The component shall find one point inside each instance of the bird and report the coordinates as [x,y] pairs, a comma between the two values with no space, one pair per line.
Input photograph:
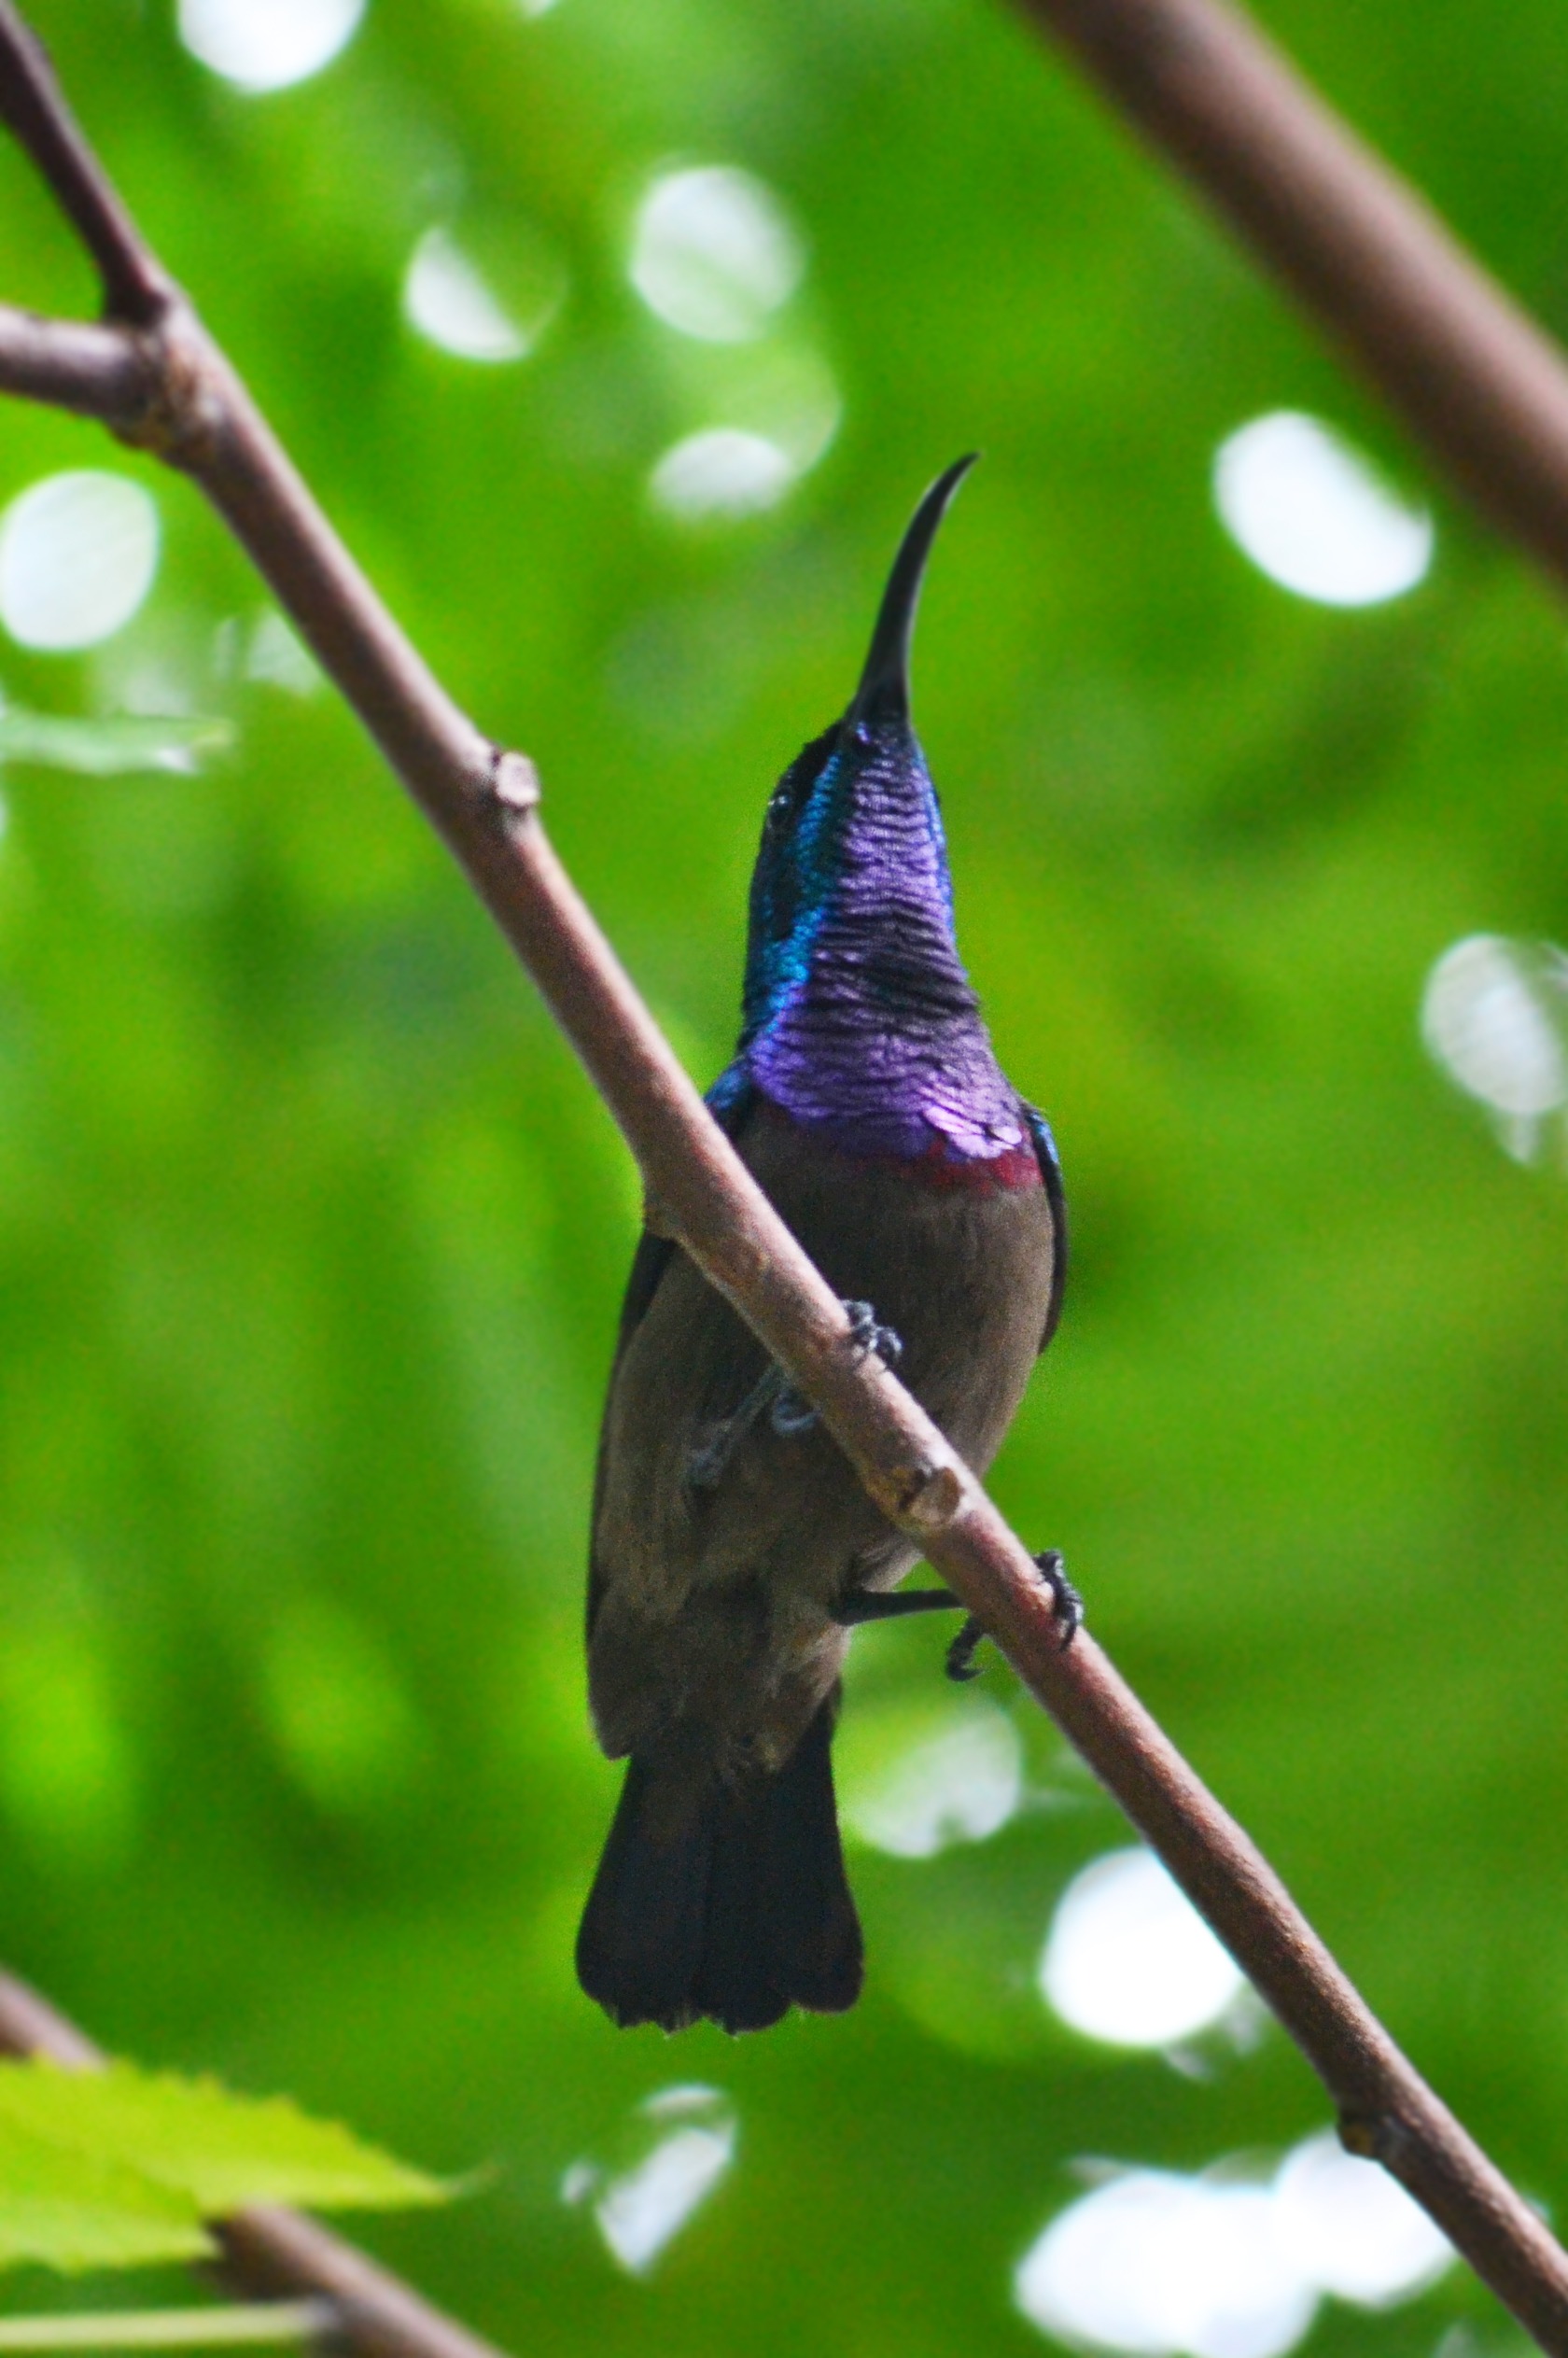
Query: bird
[733,1549]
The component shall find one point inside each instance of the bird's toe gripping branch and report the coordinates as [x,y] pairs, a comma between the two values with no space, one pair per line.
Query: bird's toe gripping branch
[776,1397]
[861,1606]
[792,1414]
[1066,1609]
[1065,1603]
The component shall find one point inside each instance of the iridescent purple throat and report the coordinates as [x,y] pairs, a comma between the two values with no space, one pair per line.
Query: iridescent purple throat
[869,1032]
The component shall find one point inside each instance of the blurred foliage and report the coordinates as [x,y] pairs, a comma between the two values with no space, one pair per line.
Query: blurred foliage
[311,1234]
[118,2168]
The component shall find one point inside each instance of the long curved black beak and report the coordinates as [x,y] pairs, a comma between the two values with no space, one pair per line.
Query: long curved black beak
[884,689]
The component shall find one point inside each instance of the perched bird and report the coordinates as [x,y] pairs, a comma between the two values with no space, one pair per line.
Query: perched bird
[733,1546]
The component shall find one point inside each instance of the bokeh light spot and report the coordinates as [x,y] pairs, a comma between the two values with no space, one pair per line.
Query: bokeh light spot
[77,555]
[278,655]
[722,475]
[960,1779]
[1490,1017]
[446,297]
[1311,514]
[1166,2267]
[1353,2230]
[640,2209]
[265,45]
[1129,1960]
[714,254]
[1155,2264]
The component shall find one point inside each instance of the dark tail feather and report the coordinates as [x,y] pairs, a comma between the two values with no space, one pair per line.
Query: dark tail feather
[640,1941]
[729,1903]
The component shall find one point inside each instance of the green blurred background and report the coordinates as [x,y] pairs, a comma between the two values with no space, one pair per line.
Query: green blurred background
[312,1235]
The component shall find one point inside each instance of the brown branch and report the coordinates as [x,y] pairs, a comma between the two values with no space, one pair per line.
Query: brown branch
[136,286]
[98,372]
[1474,377]
[484,803]
[269,2251]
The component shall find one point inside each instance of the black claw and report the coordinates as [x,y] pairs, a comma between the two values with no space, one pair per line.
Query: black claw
[961,1664]
[868,1334]
[1067,1607]
[790,1415]
[1066,1604]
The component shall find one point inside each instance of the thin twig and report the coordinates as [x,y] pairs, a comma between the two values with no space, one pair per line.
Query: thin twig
[269,2251]
[484,803]
[1474,377]
[97,371]
[252,2325]
[136,287]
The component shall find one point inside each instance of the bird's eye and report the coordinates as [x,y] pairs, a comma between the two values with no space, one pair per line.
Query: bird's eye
[783,804]
[794,791]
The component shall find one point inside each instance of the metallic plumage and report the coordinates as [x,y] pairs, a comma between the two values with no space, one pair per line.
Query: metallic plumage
[866,1097]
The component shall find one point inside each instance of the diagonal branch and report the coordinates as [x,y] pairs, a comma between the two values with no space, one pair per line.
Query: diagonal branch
[1476,379]
[136,286]
[484,803]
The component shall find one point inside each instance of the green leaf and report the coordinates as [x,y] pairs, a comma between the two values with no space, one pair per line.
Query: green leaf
[112,748]
[193,2139]
[71,2209]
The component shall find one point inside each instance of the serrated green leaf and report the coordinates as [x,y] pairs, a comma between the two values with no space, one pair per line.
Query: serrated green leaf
[74,2209]
[196,2140]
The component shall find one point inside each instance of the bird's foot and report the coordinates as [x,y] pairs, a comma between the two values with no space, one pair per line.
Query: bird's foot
[773,1396]
[792,1416]
[875,1604]
[868,1334]
[1067,1606]
[708,1465]
[859,1606]
[1066,1612]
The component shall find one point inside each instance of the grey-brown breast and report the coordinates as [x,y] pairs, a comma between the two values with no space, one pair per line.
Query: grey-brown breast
[712,1606]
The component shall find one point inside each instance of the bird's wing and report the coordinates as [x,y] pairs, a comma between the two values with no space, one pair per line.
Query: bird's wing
[1051,1173]
[729,1101]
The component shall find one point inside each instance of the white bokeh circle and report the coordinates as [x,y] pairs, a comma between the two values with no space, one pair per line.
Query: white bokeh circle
[1484,1018]
[722,475]
[1310,513]
[447,298]
[714,254]
[1128,1958]
[1353,2230]
[960,1781]
[1164,2266]
[267,45]
[78,552]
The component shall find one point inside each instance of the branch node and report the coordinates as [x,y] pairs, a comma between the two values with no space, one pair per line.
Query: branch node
[181,420]
[1379,2137]
[515,785]
[927,1497]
